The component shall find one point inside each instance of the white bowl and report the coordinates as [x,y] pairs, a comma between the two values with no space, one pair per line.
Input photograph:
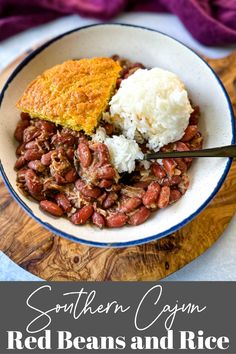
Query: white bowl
[152,48]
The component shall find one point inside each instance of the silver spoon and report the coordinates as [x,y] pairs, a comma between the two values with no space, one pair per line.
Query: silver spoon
[222,151]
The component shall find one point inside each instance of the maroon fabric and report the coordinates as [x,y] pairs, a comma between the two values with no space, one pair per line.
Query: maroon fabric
[211,22]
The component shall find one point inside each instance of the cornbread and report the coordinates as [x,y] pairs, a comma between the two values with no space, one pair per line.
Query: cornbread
[73,94]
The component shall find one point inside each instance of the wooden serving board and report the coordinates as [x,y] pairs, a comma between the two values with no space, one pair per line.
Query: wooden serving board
[54,258]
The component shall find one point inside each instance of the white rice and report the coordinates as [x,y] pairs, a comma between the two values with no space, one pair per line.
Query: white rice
[151,104]
[123,151]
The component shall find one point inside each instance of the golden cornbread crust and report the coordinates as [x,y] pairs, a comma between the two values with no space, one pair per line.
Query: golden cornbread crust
[73,94]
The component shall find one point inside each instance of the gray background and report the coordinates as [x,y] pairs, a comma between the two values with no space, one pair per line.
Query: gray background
[217,320]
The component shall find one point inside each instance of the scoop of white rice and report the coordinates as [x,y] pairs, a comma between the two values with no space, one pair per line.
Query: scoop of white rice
[153,103]
[123,151]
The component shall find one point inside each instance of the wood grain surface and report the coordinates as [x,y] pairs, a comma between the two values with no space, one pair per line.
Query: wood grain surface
[54,258]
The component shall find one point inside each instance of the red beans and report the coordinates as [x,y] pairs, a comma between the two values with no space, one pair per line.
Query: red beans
[19,132]
[84,154]
[164,197]
[20,162]
[33,184]
[71,176]
[109,128]
[106,172]
[30,133]
[158,171]
[110,200]
[89,191]
[169,166]
[46,159]
[51,208]
[174,196]
[63,202]
[36,165]
[189,133]
[103,154]
[63,139]
[64,169]
[117,220]
[98,220]
[105,183]
[150,198]
[46,126]
[32,154]
[82,215]
[25,116]
[130,204]
[140,216]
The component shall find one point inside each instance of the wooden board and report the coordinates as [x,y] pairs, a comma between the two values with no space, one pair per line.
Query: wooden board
[53,258]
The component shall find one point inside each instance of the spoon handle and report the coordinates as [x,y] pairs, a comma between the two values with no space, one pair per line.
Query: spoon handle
[223,151]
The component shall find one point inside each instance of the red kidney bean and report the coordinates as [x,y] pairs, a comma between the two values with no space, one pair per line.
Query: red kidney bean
[59,179]
[110,200]
[32,145]
[189,133]
[105,183]
[32,154]
[71,176]
[106,172]
[140,216]
[46,159]
[181,165]
[82,215]
[20,149]
[20,128]
[102,198]
[30,133]
[70,154]
[109,128]
[172,181]
[48,127]
[116,220]
[103,154]
[158,171]
[180,146]
[150,198]
[20,162]
[169,166]
[51,208]
[194,118]
[84,154]
[25,116]
[174,196]
[89,191]
[98,220]
[63,139]
[63,202]
[130,204]
[164,197]
[33,184]
[36,165]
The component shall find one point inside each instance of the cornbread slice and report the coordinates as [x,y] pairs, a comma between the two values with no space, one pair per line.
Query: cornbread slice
[73,94]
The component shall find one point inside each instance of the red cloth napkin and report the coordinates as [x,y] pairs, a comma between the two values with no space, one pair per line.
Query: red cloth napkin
[211,22]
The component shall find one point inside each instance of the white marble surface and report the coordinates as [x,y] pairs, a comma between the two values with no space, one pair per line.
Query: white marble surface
[219,262]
